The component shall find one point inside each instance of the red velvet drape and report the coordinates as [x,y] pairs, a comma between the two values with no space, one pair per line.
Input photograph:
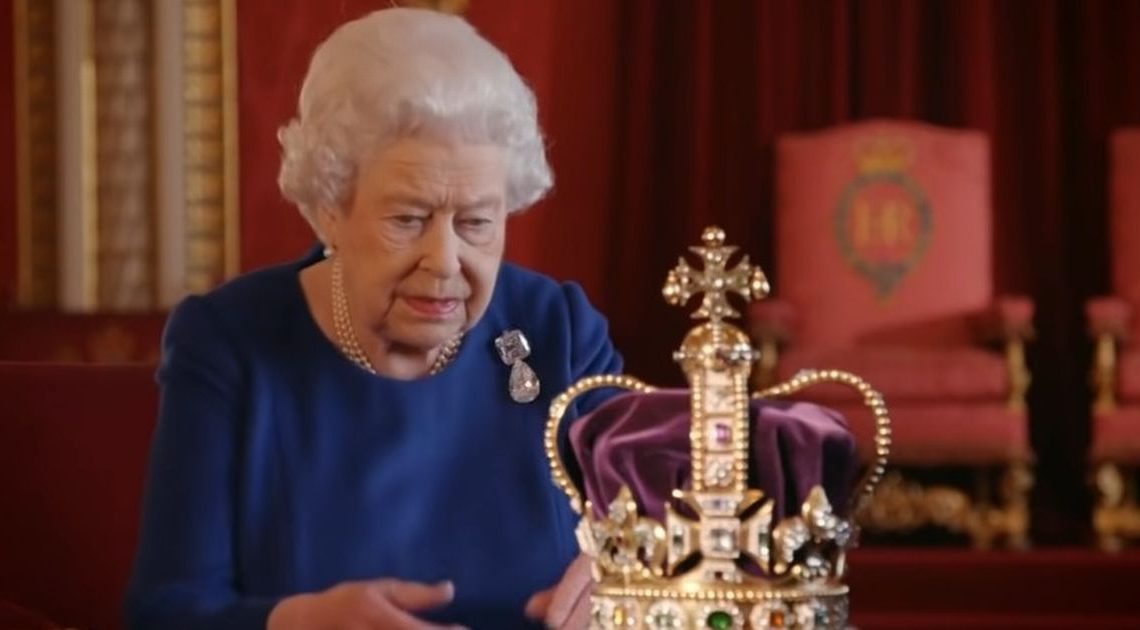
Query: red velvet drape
[662,115]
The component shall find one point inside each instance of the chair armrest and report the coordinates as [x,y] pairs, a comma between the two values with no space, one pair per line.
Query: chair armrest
[1109,315]
[1008,318]
[1108,319]
[1008,323]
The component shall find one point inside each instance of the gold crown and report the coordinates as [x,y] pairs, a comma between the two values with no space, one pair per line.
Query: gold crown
[883,154]
[733,564]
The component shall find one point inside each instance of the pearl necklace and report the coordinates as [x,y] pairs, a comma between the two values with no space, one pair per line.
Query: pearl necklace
[346,337]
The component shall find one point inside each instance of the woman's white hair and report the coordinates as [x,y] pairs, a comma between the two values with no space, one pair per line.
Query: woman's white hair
[395,73]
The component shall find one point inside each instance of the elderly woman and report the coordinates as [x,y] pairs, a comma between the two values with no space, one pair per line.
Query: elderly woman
[354,440]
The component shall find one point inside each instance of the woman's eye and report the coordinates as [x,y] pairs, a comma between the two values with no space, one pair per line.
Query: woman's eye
[475,222]
[408,220]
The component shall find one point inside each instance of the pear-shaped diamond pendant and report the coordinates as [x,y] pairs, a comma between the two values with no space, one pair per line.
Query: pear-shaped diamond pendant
[513,347]
[524,386]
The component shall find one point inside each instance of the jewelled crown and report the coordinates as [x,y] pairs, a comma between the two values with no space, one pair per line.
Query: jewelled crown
[721,558]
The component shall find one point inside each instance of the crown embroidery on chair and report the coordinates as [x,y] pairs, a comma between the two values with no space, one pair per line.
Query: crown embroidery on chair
[720,559]
[883,222]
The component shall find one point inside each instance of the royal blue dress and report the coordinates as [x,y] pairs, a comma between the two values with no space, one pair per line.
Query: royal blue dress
[280,467]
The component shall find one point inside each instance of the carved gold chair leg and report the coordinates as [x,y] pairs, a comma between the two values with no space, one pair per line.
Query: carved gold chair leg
[1116,517]
[983,534]
[984,519]
[1016,484]
[1007,521]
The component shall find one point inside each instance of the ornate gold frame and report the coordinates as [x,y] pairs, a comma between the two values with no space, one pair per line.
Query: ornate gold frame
[903,505]
[210,132]
[211,141]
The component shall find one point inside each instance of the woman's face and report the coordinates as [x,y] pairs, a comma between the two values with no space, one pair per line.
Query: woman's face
[422,239]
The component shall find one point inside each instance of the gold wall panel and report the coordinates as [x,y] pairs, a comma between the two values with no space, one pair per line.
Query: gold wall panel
[210,101]
[38,268]
[118,139]
[124,107]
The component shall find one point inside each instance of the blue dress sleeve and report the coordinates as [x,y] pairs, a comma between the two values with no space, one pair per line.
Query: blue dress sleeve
[184,575]
[591,350]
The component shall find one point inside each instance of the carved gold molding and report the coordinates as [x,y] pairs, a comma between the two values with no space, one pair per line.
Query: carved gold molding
[89,170]
[902,505]
[124,148]
[211,154]
[1116,517]
[88,220]
[37,249]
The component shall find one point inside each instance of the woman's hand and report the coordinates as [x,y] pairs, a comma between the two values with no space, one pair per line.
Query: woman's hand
[371,605]
[566,606]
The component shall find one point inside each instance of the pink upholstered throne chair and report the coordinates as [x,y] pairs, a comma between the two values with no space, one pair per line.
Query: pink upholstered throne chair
[883,245]
[1113,321]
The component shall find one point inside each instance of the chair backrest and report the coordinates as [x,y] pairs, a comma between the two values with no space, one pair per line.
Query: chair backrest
[73,450]
[884,232]
[1124,203]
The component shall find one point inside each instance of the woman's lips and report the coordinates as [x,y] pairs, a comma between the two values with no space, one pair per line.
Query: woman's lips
[432,307]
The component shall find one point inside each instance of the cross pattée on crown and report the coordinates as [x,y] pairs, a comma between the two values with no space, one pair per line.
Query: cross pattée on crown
[714,280]
[732,519]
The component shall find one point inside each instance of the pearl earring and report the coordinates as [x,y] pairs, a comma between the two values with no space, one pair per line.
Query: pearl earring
[329,251]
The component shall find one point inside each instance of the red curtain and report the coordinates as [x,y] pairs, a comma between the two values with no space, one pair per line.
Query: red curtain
[661,118]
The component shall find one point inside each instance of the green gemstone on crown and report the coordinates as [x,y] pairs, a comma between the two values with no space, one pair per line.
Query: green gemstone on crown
[719,620]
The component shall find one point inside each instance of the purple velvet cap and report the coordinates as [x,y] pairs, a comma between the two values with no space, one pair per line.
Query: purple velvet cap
[642,440]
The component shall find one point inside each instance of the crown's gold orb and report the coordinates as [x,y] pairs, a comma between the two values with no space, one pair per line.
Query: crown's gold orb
[706,339]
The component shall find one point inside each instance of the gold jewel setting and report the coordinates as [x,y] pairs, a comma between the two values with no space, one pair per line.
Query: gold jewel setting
[720,558]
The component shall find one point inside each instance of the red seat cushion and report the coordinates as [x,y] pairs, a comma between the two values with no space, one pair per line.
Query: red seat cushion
[953,374]
[73,448]
[1128,376]
[1116,435]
